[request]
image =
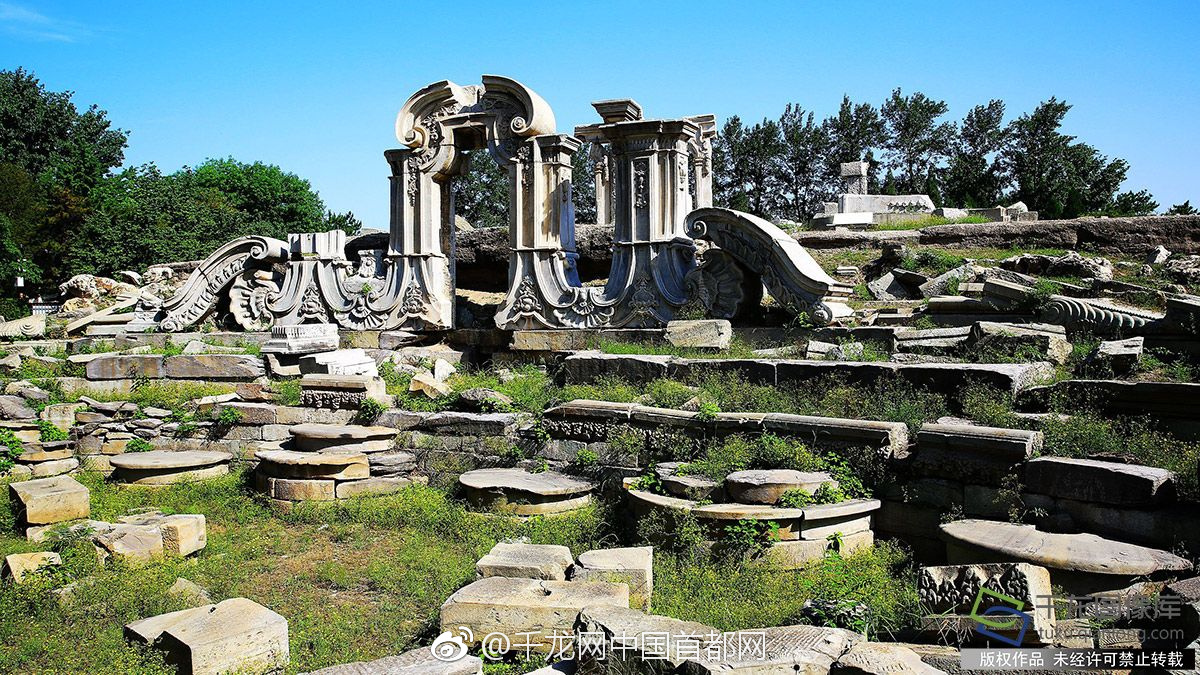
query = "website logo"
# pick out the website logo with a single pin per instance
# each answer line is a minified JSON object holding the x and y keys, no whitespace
{"x":988,"y":623}
{"x":449,"y":647}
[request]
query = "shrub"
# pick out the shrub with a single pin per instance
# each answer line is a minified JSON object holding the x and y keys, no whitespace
{"x":369,"y":411}
{"x":229,"y":416}
{"x":10,"y":448}
{"x":50,"y":433}
{"x":138,"y":445}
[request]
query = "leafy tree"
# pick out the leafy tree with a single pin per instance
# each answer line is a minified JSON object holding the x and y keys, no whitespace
{"x":804,"y":164}
{"x":854,"y":132}
{"x":1129,"y":203}
{"x":142,"y":217}
{"x":583,"y":184}
{"x":1054,"y":175}
{"x":481,"y":191}
{"x":916,"y":142}
{"x":975,"y":177}
{"x":749,"y":177}
{"x":43,"y":133}
{"x":1184,"y":209}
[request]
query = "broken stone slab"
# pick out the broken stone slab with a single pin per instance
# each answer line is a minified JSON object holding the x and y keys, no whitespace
{"x":214,"y":367}
{"x":397,"y":339}
{"x":55,"y":467}
{"x":766,"y":486}
{"x":953,"y":590}
{"x":235,"y":635}
{"x":419,"y":661}
{"x":528,"y":611}
{"x":972,"y":454}
{"x":847,"y":517}
{"x":780,"y":649}
{"x":126,"y":367}
{"x":342,"y":438}
{"x":129,"y":543}
{"x":373,"y":486}
{"x":18,"y":565}
{"x":46,"y":501}
{"x":15,"y":408}
{"x":1121,"y":356}
{"x":182,"y":534}
{"x":613,"y":632}
{"x":454,"y":423}
{"x":61,"y":415}
{"x":339,"y":362}
{"x":425,"y":356}
{"x":428,"y":384}
{"x":878,"y":658}
{"x":302,"y":339}
{"x":198,"y":347}
{"x":520,"y":492}
{"x":1047,"y":340}
{"x":45,"y":452}
{"x":942,"y":284}
{"x":392,"y":463}
{"x":1090,"y":480}
{"x":800,"y":553}
{"x":892,"y":287}
{"x":480,"y":399}
{"x":311,"y":465}
{"x":1078,"y":562}
{"x":525,"y":561}
{"x":633,"y":566}
{"x":685,"y":485}
{"x":442,"y":370}
{"x":24,"y":328}
{"x":159,"y":467}
{"x":700,"y":334}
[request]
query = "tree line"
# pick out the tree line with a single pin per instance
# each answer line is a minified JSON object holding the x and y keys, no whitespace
{"x":66,"y":209}
{"x":784,"y":168}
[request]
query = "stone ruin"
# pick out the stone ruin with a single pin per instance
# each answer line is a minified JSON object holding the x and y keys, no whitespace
{"x":653,"y":183}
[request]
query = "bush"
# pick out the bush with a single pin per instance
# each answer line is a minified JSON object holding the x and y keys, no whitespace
{"x":50,"y":433}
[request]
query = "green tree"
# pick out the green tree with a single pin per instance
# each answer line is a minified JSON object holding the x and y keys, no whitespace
{"x":43,"y":132}
{"x":1054,"y":175}
{"x":583,"y":184}
{"x":975,"y":177}
{"x":804,"y":164}
{"x":916,"y":141}
{"x":747,"y":164}
{"x":481,"y":191}
{"x":1184,"y":209}
{"x":1129,"y":203}
{"x":142,"y":217}
{"x":854,"y":134}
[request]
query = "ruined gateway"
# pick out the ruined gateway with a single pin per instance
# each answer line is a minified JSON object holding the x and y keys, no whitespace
{"x":653,"y":183}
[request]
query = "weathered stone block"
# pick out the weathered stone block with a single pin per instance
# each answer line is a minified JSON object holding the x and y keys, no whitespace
{"x":55,"y":467}
{"x":527,"y":609}
{"x":297,"y":489}
{"x":50,"y":500}
{"x":126,"y":367}
{"x":702,"y":334}
{"x":371,"y":487}
{"x":214,"y":367}
{"x":235,"y":635}
{"x":631,"y":566}
{"x":17,"y":565}
{"x":953,"y":590}
{"x":1091,"y":480}
{"x":525,"y":561}
{"x":130,"y":543}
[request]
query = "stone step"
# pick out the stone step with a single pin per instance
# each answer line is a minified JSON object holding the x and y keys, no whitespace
{"x":1082,"y":563}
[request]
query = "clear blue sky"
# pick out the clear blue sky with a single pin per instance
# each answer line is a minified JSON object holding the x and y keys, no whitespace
{"x":315,"y":87}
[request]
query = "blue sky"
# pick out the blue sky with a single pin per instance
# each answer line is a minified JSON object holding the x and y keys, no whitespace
{"x":315,"y":87}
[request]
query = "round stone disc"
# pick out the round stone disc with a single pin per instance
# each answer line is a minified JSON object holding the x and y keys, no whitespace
{"x":162,"y":460}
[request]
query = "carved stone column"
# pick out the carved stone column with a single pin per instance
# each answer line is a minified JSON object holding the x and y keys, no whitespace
{"x":701,"y":154}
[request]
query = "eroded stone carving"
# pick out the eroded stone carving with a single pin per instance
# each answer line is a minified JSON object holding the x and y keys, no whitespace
{"x":788,"y":271}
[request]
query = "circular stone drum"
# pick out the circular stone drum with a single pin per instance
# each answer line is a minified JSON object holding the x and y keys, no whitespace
{"x":522,"y":493}
{"x":159,"y":467}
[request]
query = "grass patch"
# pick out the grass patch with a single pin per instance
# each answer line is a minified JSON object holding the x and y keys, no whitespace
{"x":930,"y":221}
{"x":874,"y":589}
{"x":738,"y":349}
